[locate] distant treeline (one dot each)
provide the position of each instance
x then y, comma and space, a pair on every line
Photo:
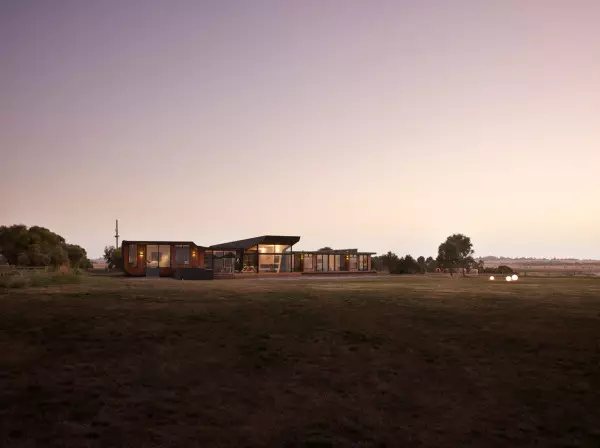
455, 254
493, 258
38, 246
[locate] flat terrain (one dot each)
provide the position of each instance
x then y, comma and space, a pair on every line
551, 267
411, 361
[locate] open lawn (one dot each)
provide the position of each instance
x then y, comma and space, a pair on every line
411, 361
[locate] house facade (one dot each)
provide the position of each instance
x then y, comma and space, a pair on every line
266, 255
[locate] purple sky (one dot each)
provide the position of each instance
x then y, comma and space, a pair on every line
382, 125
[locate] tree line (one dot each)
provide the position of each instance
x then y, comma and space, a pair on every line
455, 254
38, 246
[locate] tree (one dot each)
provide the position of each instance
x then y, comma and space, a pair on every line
390, 261
326, 248
422, 264
431, 264
456, 251
14, 241
77, 256
407, 265
34, 246
113, 257
479, 265
376, 263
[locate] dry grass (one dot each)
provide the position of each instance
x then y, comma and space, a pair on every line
378, 362
549, 268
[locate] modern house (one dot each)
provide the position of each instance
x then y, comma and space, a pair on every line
265, 255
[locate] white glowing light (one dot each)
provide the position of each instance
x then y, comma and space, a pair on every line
508, 278
492, 277
515, 277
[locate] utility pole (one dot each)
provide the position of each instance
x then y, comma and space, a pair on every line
117, 234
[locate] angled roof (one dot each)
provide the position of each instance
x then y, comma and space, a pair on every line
183, 243
335, 252
249, 242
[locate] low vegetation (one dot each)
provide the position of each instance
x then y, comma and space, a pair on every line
20, 278
392, 361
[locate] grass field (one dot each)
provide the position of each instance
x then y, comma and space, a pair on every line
372, 362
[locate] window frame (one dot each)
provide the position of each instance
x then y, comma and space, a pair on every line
132, 251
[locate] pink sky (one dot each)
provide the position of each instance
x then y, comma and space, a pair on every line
382, 125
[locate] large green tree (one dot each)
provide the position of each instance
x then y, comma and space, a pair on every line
113, 257
456, 252
389, 261
77, 256
33, 246
431, 264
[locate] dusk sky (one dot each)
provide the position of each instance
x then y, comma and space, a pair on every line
381, 125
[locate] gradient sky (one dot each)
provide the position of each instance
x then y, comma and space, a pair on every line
382, 125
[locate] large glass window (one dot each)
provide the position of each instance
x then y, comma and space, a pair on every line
268, 262
352, 262
332, 262
298, 262
286, 263
208, 259
271, 258
132, 259
308, 262
217, 264
152, 256
224, 261
266, 248
230, 261
363, 262
164, 260
322, 263
250, 263
182, 255
341, 263
344, 262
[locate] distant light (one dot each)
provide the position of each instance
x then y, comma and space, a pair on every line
508, 278
515, 277
141, 253
492, 277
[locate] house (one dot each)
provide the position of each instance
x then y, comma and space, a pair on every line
262, 255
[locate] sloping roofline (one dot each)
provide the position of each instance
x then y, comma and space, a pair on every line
249, 242
335, 252
183, 243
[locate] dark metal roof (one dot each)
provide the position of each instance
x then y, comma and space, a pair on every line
183, 243
335, 252
249, 242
